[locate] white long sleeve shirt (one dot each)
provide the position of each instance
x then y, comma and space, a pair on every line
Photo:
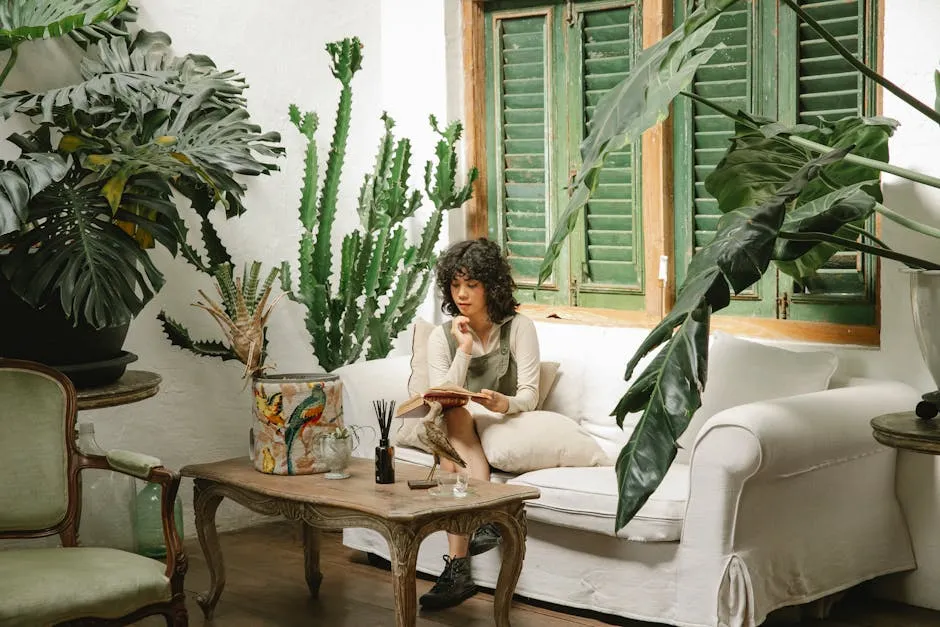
523, 344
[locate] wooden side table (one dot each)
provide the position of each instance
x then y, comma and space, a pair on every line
904, 430
404, 517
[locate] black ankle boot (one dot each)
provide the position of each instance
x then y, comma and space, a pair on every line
485, 538
453, 586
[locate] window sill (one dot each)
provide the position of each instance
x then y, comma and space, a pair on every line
784, 330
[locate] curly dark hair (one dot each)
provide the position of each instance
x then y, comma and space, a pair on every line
480, 260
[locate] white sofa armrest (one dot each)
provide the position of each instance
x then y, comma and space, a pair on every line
782, 488
366, 381
797, 434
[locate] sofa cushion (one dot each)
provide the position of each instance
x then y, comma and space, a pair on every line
53, 585
740, 372
532, 440
586, 499
418, 380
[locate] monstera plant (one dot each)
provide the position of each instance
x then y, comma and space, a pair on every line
142, 125
790, 195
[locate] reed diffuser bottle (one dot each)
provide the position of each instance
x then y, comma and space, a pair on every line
384, 452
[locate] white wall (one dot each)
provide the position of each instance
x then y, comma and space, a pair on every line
411, 68
202, 411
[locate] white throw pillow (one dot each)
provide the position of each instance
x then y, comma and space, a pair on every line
533, 440
740, 372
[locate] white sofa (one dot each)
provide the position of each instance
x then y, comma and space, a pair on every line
783, 502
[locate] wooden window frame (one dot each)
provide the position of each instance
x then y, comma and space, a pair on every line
657, 195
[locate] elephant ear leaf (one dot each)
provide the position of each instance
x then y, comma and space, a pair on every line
638, 103
829, 214
670, 389
24, 20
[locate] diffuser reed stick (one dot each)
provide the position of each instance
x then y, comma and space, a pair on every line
384, 410
384, 453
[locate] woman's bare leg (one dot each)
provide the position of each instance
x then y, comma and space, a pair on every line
463, 435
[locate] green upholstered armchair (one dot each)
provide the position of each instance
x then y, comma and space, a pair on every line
40, 495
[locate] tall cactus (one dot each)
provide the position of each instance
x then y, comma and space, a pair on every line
383, 278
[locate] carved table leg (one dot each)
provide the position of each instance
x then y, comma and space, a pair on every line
513, 529
206, 502
403, 547
312, 559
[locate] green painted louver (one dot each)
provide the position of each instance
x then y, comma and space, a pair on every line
521, 124
613, 253
830, 88
726, 79
702, 137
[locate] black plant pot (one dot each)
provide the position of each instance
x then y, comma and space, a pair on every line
47, 336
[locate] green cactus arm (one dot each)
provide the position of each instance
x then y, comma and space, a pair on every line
380, 339
315, 320
396, 182
350, 252
373, 185
411, 304
347, 59
337, 308
306, 124
352, 313
179, 336
287, 282
394, 254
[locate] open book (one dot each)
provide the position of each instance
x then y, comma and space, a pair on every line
446, 395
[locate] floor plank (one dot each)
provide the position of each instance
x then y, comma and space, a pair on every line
265, 588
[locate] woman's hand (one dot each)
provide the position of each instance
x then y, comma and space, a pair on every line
496, 402
460, 329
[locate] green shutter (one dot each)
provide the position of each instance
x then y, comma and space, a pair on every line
828, 86
518, 84
602, 44
702, 136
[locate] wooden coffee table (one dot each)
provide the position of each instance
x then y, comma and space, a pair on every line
403, 516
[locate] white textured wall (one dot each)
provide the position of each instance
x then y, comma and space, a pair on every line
201, 412
411, 69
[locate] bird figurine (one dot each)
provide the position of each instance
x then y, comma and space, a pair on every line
435, 439
307, 412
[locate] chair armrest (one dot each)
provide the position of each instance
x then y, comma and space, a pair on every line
366, 381
797, 434
131, 463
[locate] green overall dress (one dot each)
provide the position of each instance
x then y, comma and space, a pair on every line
494, 371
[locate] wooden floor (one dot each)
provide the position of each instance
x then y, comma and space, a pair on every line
265, 588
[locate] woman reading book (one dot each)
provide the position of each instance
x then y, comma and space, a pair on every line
487, 347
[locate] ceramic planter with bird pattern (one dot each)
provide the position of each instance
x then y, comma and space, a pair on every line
292, 412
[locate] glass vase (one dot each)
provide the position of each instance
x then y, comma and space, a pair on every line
148, 527
336, 453
108, 506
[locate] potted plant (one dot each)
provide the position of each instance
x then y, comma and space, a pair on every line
791, 195
383, 278
142, 125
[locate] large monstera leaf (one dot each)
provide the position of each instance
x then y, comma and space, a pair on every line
21, 180
669, 390
77, 254
23, 20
